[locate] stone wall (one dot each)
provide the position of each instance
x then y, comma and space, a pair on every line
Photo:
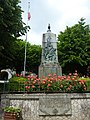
59, 106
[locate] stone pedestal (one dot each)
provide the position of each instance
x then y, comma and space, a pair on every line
49, 60
45, 69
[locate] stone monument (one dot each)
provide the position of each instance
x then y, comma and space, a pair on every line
49, 60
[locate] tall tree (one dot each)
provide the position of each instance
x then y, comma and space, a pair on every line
33, 57
11, 27
74, 47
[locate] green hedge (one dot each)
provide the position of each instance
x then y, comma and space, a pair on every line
16, 84
87, 83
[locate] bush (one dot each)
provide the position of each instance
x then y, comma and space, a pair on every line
70, 83
56, 84
16, 84
87, 83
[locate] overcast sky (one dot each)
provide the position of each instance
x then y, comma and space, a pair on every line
59, 13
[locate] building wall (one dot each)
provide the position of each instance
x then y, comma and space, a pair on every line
59, 106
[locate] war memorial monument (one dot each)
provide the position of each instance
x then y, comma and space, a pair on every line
49, 60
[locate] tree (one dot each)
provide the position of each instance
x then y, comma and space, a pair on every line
11, 27
33, 57
74, 47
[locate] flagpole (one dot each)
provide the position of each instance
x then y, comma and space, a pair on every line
26, 41
25, 55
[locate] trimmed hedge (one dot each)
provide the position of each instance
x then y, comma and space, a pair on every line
87, 83
16, 84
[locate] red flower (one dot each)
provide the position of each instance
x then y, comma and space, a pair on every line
59, 77
38, 79
17, 75
49, 85
33, 86
73, 78
28, 78
43, 82
69, 88
27, 87
48, 80
68, 77
49, 75
51, 78
34, 81
84, 88
54, 74
84, 81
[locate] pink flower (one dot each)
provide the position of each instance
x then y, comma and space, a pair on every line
70, 74
75, 74
34, 81
84, 88
38, 79
49, 85
64, 77
27, 87
43, 82
21, 74
17, 75
49, 75
80, 83
69, 88
73, 78
61, 85
68, 77
28, 78
59, 77
51, 79
46, 78
54, 74
33, 86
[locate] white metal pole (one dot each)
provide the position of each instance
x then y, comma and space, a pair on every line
26, 44
25, 55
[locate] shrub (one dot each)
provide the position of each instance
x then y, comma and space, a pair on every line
16, 84
70, 83
12, 112
55, 84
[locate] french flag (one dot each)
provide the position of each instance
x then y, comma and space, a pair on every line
29, 15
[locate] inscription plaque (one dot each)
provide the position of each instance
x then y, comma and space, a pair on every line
54, 106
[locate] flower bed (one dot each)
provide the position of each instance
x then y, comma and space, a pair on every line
70, 83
